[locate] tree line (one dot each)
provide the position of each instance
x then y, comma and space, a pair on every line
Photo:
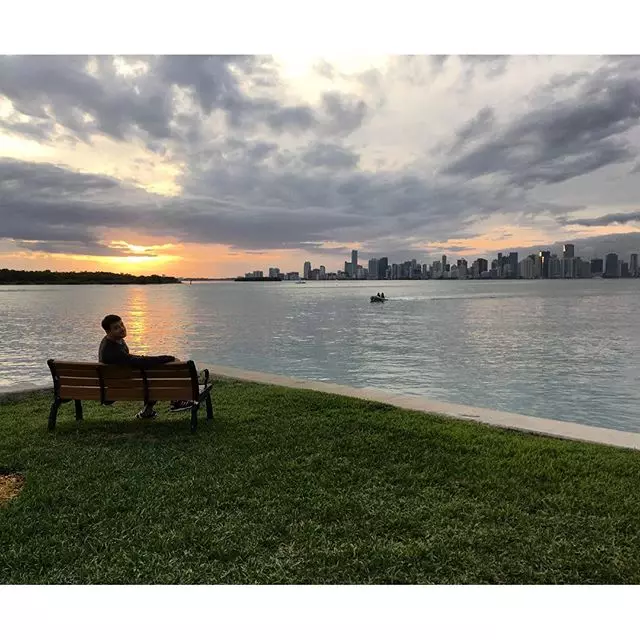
12, 276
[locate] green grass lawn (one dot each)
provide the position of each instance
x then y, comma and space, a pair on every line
292, 486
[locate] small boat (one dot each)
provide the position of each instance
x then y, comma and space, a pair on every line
377, 299
301, 282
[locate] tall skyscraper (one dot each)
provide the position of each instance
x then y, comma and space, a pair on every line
555, 267
545, 257
373, 269
597, 266
307, 270
513, 264
569, 268
383, 265
568, 251
444, 263
633, 265
526, 268
585, 268
354, 259
611, 265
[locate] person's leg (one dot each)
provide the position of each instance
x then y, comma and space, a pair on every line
180, 405
147, 411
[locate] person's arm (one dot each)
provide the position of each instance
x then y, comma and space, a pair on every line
149, 361
115, 354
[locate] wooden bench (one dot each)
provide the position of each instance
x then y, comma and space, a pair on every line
106, 383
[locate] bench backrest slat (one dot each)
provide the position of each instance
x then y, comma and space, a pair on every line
76, 371
180, 372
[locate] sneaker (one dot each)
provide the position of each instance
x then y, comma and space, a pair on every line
180, 405
142, 415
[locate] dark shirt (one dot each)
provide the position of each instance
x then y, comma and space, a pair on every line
111, 352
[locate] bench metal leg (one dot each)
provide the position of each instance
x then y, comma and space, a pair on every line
209, 407
79, 415
53, 414
194, 416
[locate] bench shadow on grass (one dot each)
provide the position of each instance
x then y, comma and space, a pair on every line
135, 430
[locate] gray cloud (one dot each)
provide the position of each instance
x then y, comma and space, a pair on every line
237, 204
481, 123
210, 78
491, 65
345, 113
330, 155
42, 131
19, 176
606, 220
67, 247
421, 69
61, 90
43, 203
292, 118
562, 140
456, 248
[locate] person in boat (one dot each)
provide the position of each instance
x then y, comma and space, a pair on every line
382, 295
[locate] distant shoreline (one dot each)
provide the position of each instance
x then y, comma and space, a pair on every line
16, 277
79, 284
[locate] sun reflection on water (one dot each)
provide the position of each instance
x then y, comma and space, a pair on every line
154, 327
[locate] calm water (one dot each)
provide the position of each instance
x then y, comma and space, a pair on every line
568, 350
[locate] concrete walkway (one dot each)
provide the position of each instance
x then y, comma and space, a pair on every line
540, 426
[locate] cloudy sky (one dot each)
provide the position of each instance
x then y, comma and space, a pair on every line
213, 166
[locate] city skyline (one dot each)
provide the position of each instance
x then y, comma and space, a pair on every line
195, 164
544, 264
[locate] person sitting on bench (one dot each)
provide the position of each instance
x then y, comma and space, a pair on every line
114, 350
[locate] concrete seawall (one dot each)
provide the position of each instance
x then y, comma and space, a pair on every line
501, 419
515, 421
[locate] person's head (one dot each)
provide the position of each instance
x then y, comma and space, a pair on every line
114, 327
